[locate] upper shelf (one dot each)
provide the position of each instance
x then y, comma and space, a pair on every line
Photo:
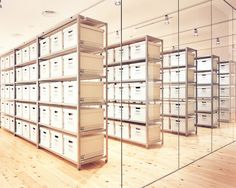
26, 63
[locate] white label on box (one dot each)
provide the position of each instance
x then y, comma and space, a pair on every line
25, 54
45, 115
33, 51
44, 69
70, 120
45, 137
44, 47
56, 67
26, 92
70, 36
33, 72
56, 142
56, 92
56, 42
45, 92
33, 92
70, 64
19, 75
26, 112
56, 117
25, 74
33, 113
19, 92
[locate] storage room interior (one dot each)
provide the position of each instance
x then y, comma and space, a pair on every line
166, 102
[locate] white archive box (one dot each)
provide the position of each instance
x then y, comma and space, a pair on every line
125, 129
44, 115
166, 123
2, 63
44, 47
205, 105
6, 108
2, 92
3, 106
25, 54
205, 119
45, 139
45, 92
70, 63
33, 72
18, 57
227, 67
111, 110
166, 76
7, 77
87, 90
33, 133
166, 108
179, 75
2, 77
12, 60
139, 50
7, 92
19, 75
26, 92
19, 128
181, 59
91, 64
11, 108
70, 120
7, 62
91, 36
226, 91
11, 77
225, 115
26, 111
56, 92
110, 74
56, 117
56, 67
125, 91
124, 52
124, 71
70, 147
110, 127
178, 125
33, 92
227, 103
205, 91
2, 119
70, 36
166, 60
25, 73
227, 79
179, 108
33, 112
138, 112
12, 124
138, 91
33, 51
206, 64
70, 92
44, 69
89, 149
124, 109
110, 91
56, 142
138, 71
25, 129
179, 91
19, 109
110, 56
56, 42
138, 133
206, 78
6, 122
19, 92
88, 123
11, 92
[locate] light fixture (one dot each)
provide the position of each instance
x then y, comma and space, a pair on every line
117, 34
117, 2
173, 47
48, 13
167, 19
0, 3
195, 32
217, 41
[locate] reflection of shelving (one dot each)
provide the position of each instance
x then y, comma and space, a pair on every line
227, 91
207, 92
65, 60
139, 105
179, 86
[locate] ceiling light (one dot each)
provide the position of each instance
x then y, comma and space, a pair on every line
167, 19
195, 32
48, 13
173, 47
217, 41
117, 2
117, 34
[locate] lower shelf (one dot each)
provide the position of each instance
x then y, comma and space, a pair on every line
208, 126
27, 139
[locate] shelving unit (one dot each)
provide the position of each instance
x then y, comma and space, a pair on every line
178, 88
65, 97
208, 92
227, 91
135, 112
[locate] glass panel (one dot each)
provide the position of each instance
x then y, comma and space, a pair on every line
222, 47
145, 158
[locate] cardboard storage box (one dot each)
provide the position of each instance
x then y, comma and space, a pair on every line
19, 128
227, 103
70, 147
124, 71
205, 91
44, 69
33, 133
19, 74
18, 57
33, 112
45, 115
33, 51
88, 89
45, 92
12, 60
205, 119
11, 76
33, 92
19, 110
227, 67
179, 108
124, 52
178, 125
25, 130
125, 92
111, 110
26, 111
124, 109
181, 59
110, 127
179, 91
205, 78
179, 75
56, 92
206, 64
226, 91
25, 54
44, 47
56, 116
205, 105
56, 142
70, 120
125, 130
45, 138
26, 92
227, 79
56, 42
70, 92
11, 124
33, 72
56, 67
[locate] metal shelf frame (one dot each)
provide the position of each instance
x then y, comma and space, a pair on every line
80, 47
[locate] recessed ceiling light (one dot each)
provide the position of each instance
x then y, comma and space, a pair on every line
166, 19
195, 32
217, 41
117, 2
48, 13
0, 3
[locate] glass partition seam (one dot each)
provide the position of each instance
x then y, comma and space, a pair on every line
211, 17
178, 83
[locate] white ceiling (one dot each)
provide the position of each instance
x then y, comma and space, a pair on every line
24, 17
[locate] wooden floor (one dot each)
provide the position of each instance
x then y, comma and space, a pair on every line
23, 165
